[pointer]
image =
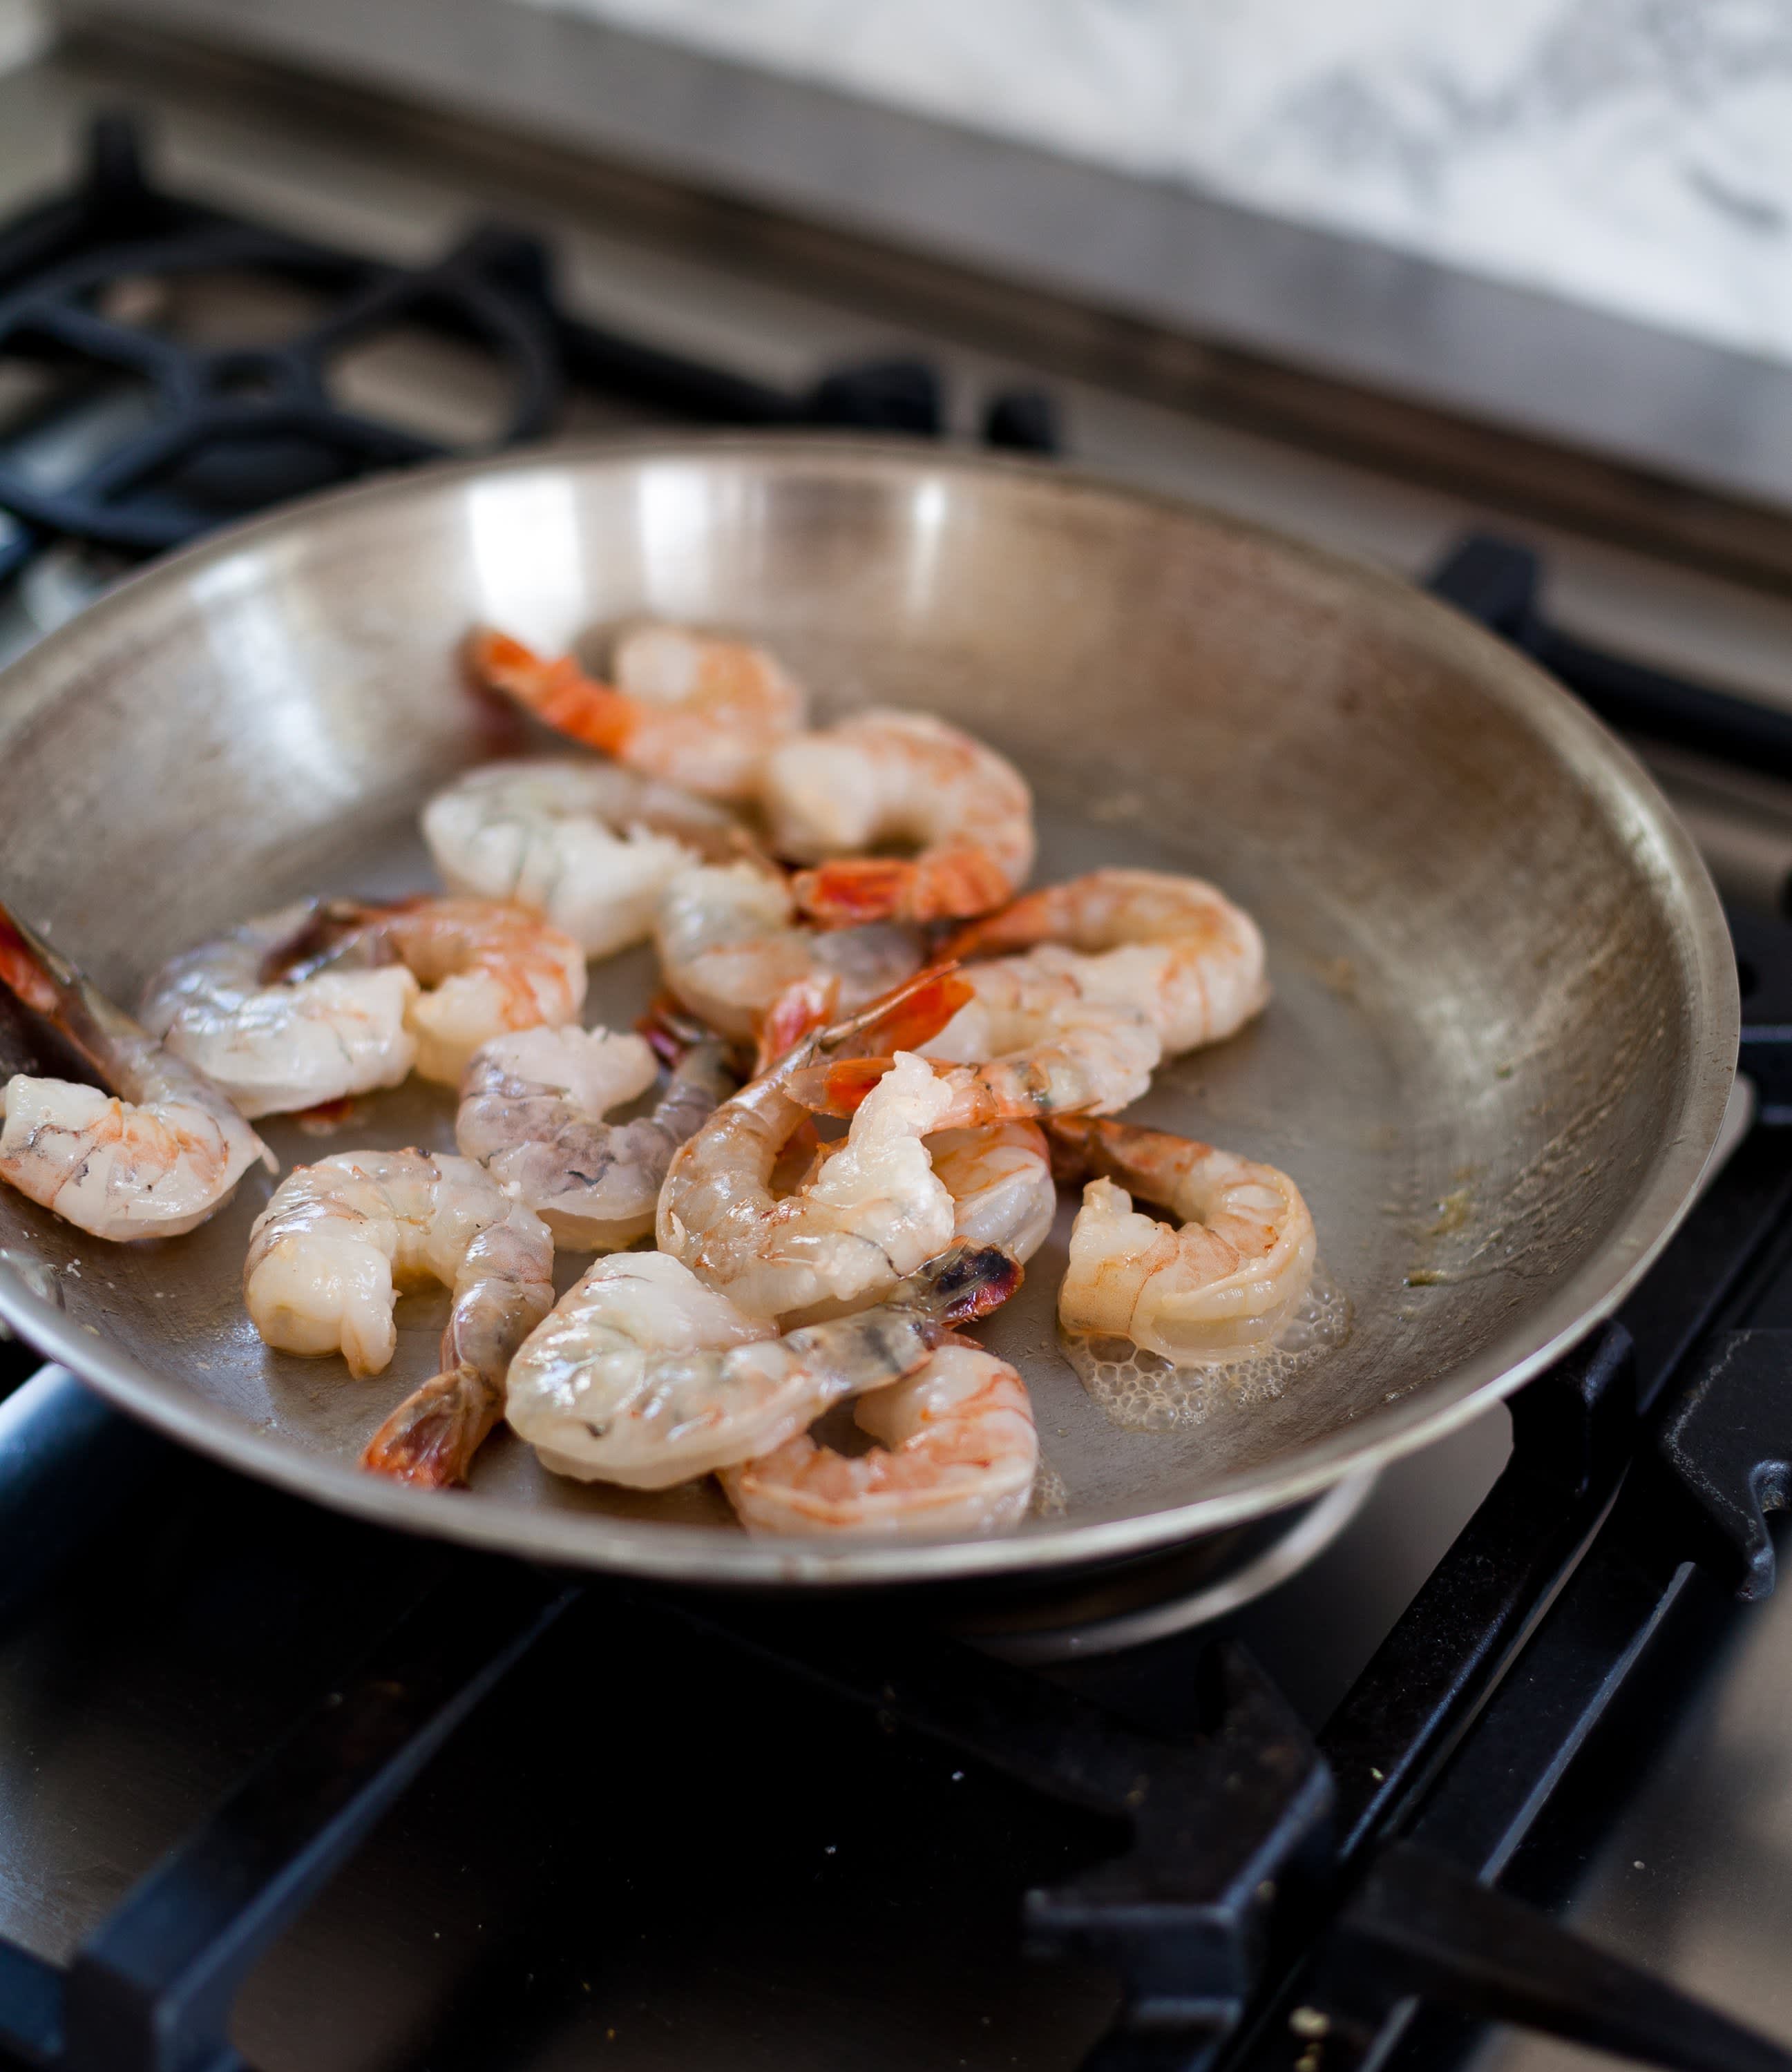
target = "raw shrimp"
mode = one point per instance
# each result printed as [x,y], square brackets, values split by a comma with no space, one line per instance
[885,776]
[730,945]
[331,1250]
[487,967]
[532,1109]
[700,713]
[644,1375]
[999,1178]
[1217,1290]
[873,1212]
[1023,1044]
[876,1211]
[290,1044]
[958,1457]
[1148,942]
[152,1158]
[1150,964]
[589,844]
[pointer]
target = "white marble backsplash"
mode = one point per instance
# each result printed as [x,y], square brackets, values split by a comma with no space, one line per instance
[1634,154]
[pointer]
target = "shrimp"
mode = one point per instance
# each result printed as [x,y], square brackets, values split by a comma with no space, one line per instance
[730,947]
[1217,1290]
[958,1456]
[1023,1044]
[874,1211]
[885,776]
[532,1109]
[700,713]
[644,1376]
[1148,942]
[290,1044]
[999,1178]
[154,1157]
[487,967]
[1156,965]
[337,1241]
[589,845]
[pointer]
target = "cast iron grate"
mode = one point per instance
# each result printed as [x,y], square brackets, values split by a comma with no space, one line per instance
[208,433]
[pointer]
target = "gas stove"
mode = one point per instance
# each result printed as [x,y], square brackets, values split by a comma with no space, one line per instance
[1496,1740]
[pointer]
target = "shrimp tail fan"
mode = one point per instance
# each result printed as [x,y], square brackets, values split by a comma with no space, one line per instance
[25,967]
[903,1018]
[42,979]
[556,690]
[805,1005]
[837,1090]
[965,1282]
[431,1439]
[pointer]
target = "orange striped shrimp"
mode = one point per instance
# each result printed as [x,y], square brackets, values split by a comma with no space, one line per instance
[696,712]
[884,777]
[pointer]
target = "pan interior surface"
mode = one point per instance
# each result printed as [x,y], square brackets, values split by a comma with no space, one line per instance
[1504,1018]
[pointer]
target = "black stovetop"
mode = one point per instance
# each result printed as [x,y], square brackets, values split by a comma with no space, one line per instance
[616,1823]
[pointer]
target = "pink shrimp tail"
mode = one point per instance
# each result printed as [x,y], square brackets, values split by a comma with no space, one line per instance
[22,973]
[838,1089]
[431,1439]
[805,1005]
[944,884]
[558,692]
[905,1016]
[1018,925]
[669,1031]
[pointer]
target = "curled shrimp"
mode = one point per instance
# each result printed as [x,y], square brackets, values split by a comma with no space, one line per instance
[644,1375]
[339,1239]
[589,845]
[292,1044]
[153,1157]
[1218,1288]
[730,947]
[1024,1044]
[999,1178]
[884,777]
[700,713]
[1172,949]
[873,1212]
[532,1109]
[1125,967]
[487,967]
[958,1457]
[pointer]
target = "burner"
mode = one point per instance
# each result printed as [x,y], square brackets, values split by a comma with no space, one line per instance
[227,430]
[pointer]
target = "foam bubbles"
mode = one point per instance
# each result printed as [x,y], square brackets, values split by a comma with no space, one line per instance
[1051,1497]
[1143,1392]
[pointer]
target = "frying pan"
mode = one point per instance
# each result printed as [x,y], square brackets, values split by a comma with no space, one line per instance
[1505,1019]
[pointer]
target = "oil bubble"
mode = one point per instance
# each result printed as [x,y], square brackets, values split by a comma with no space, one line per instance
[1143,1392]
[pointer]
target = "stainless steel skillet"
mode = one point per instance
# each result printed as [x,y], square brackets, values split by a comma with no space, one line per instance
[1504,1020]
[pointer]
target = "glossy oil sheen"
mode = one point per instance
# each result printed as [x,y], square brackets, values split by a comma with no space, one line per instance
[1505,1015]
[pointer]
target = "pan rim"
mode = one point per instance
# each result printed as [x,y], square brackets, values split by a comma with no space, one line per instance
[698,1554]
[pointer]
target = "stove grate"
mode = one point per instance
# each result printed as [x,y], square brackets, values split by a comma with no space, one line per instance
[222,432]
